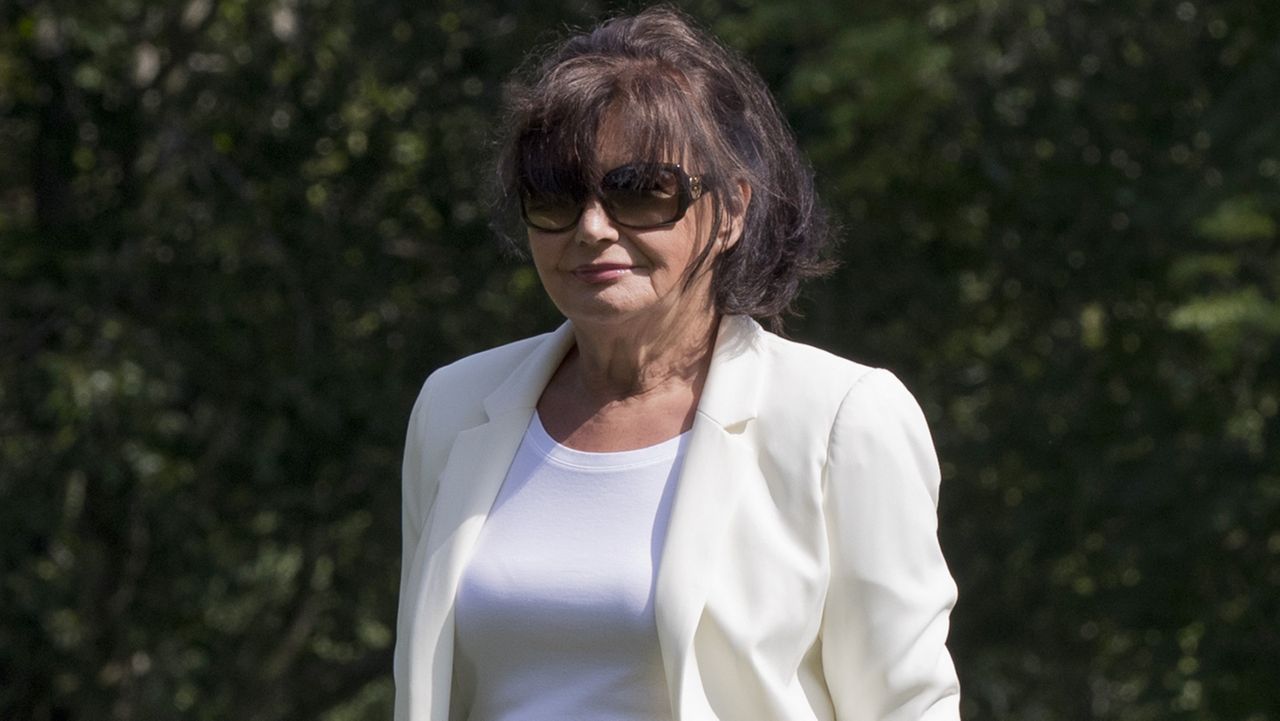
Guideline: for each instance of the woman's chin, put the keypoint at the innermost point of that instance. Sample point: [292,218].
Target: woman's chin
[637,318]
[602,312]
[599,301]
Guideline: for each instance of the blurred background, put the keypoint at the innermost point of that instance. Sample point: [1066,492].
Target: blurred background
[235,237]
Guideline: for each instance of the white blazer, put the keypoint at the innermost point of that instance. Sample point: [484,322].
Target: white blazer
[801,577]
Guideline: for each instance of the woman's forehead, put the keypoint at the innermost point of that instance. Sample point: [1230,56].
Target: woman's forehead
[624,137]
[556,154]
[617,156]
[608,155]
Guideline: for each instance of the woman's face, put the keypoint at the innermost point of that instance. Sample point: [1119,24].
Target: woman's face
[599,272]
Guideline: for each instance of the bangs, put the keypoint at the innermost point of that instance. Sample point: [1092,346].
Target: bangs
[639,110]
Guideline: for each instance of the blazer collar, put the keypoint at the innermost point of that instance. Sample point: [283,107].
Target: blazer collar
[731,392]
[522,389]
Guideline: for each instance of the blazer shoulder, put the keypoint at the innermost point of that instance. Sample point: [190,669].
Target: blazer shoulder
[821,382]
[488,368]
[810,367]
[453,395]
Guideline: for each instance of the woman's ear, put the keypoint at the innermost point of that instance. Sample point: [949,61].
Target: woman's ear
[732,230]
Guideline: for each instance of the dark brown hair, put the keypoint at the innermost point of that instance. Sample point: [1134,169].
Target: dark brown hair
[679,94]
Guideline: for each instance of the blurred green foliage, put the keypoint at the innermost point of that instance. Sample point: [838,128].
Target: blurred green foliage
[235,236]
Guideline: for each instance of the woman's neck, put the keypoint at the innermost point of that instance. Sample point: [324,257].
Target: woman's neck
[622,390]
[615,363]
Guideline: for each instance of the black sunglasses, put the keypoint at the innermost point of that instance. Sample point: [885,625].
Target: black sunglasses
[636,195]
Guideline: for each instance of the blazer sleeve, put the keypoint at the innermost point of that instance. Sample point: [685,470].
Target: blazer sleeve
[415,498]
[417,494]
[885,623]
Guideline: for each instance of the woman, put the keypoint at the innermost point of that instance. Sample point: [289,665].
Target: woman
[661,510]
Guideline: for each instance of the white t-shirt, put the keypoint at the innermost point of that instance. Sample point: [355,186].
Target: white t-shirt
[554,613]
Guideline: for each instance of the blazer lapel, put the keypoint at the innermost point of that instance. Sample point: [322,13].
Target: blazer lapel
[715,464]
[468,484]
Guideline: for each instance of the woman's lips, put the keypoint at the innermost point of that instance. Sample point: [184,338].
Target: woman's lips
[602,273]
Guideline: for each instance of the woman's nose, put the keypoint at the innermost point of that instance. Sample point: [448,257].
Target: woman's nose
[595,225]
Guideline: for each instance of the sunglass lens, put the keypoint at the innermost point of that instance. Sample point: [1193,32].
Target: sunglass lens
[551,211]
[642,196]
